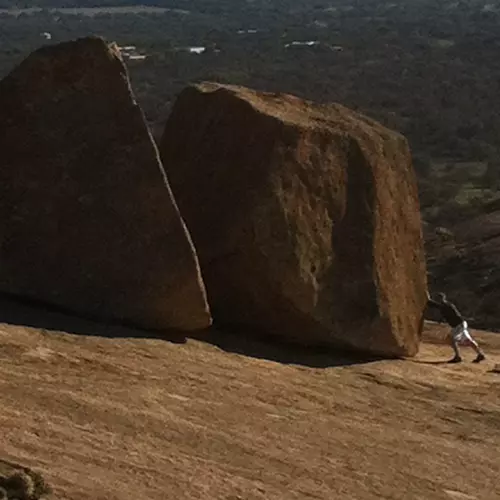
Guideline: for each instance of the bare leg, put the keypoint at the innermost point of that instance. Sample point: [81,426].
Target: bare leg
[454,345]
[472,343]
[475,346]
[480,355]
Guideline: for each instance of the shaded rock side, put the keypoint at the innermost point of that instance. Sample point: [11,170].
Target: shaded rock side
[305,217]
[88,220]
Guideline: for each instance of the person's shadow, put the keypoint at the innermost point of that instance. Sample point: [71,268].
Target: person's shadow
[34,314]
[433,362]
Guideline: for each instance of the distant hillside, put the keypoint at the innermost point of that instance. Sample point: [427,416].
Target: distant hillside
[424,68]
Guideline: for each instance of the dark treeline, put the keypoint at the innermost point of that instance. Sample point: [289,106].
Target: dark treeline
[428,69]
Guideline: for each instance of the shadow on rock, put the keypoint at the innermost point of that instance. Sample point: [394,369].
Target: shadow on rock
[27,312]
[433,362]
[34,314]
[269,348]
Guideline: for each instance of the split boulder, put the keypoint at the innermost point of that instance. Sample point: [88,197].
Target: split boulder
[88,221]
[305,217]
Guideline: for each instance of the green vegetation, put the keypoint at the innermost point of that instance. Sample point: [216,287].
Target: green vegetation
[23,484]
[429,69]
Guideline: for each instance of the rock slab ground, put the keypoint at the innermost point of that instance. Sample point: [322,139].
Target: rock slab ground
[110,418]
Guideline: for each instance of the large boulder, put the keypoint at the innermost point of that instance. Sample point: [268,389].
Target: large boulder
[305,217]
[87,218]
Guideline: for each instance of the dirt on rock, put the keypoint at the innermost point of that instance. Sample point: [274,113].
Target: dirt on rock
[106,413]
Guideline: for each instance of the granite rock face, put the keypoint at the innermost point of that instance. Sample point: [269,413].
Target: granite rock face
[88,220]
[305,217]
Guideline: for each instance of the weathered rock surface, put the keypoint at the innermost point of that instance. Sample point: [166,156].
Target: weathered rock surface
[88,221]
[305,217]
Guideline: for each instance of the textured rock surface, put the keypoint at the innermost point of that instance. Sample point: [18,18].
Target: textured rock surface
[305,217]
[88,221]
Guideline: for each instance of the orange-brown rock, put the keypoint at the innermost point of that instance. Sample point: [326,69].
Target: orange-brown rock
[88,221]
[305,217]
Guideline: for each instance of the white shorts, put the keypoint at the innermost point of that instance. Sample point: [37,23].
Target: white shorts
[460,333]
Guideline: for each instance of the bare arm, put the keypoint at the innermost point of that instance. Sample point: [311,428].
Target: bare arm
[433,303]
[430,302]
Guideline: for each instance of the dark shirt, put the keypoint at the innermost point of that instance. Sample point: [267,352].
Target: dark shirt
[448,311]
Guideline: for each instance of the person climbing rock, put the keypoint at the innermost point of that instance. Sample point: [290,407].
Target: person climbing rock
[459,328]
